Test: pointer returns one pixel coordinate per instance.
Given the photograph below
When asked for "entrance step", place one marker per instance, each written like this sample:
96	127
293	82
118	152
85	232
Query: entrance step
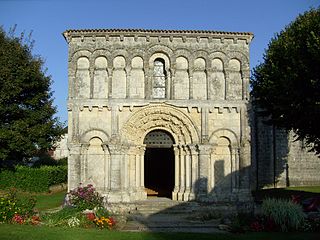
151	192
170	223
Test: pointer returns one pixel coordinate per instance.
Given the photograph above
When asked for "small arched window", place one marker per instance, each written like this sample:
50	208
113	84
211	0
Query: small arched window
159	79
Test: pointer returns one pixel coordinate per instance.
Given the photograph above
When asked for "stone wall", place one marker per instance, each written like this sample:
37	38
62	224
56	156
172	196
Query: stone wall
279	160
124	84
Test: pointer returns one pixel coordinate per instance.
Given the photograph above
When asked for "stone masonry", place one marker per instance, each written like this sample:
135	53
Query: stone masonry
132	91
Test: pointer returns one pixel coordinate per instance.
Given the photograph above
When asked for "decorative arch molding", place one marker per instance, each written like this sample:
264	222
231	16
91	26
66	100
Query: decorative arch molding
80	53
159	49
181	52
220	55
101	53
241	57
92	133
201	54
227	133
160	116
136	53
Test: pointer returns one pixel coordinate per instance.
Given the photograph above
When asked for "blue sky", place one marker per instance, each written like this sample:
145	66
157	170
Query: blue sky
49	18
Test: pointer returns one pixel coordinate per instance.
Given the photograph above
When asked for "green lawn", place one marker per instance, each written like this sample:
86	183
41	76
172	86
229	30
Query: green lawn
312	189
25	232
286	193
48	201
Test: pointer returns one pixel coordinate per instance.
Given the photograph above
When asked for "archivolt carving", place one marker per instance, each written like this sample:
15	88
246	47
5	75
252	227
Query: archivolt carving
241	57
163	117
80	53
92	133
101	52
227	133
221	55
159	49
201	54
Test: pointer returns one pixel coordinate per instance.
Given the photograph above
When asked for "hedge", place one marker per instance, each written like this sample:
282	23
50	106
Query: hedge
33	179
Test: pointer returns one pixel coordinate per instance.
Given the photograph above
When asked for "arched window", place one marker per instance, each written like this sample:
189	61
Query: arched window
159	79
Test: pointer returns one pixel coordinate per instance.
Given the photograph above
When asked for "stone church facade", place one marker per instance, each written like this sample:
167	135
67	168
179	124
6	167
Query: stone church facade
156	112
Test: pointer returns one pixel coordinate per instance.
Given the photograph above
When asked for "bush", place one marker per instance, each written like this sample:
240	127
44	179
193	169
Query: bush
85	198
33	179
17	210
285	214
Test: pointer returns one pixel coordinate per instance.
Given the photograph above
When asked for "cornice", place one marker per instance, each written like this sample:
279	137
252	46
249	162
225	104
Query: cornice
68	34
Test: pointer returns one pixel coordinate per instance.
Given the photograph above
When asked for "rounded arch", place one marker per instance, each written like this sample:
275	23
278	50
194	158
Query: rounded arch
101	53
224	133
94	133
83	63
201	54
181	52
241	57
182	63
160	55
80	53
218	55
101	62
160	117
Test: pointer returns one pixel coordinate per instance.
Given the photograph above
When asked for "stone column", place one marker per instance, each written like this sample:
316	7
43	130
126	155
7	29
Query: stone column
182	161
204	156
140	158
128	83
187	173
84	162
74	165
117	178
106	168
176	173
190	83
235	167
132	172
194	170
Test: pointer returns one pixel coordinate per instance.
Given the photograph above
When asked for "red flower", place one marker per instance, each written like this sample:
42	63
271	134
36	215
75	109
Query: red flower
90	216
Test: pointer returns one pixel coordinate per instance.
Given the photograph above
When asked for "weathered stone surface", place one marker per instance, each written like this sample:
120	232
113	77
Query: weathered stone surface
193	85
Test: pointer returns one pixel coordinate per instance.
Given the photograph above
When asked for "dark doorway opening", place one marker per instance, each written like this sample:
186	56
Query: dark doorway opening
159	171
159	164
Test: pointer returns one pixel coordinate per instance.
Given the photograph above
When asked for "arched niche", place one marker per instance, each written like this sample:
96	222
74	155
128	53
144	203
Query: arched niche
83	77
137	78
100	79
181	79
119	78
199	80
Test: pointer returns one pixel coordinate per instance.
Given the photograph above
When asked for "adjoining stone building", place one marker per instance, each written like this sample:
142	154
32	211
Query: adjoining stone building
159	112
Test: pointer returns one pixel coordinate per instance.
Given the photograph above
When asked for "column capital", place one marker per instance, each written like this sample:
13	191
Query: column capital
117	149
205	149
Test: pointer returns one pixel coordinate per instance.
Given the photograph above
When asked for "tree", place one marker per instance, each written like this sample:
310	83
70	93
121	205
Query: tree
287	83
27	122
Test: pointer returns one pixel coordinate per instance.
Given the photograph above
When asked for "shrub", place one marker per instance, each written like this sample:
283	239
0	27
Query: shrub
285	214
17	210
85	198
33	179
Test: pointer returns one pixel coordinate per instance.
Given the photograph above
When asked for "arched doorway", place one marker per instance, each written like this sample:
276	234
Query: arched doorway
159	164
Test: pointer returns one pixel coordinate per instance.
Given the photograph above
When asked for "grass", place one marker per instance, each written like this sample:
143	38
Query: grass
286	193
44	200
48	201
311	189
25	232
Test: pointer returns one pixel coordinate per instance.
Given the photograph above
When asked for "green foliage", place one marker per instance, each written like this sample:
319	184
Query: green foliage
44	159
85	198
285	214
11	205
27	124
33	179
60	218
287	83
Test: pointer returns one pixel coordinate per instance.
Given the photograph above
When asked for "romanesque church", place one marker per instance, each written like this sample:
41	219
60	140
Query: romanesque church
167	113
